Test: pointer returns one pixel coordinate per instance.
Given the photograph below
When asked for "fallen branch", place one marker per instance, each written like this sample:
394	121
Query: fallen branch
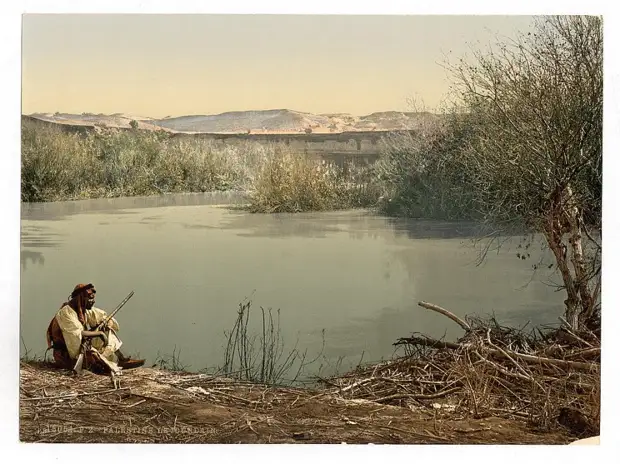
555	362
74	395
430	342
514	413
234	397
158	398
497	348
357	384
568	330
446	313
432	396
584	353
511	374
490	367
135	404
412	432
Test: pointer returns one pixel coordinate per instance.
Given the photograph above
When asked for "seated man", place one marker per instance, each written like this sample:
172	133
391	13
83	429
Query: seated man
74	323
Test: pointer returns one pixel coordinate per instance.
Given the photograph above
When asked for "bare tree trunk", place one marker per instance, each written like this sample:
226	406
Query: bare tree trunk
554	231
587	297
565	217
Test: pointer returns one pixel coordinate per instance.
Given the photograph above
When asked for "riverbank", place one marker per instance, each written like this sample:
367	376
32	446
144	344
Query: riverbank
159	406
494	385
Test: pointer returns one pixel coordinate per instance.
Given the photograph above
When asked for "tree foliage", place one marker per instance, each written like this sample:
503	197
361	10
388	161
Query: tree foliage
420	172
521	150
535	106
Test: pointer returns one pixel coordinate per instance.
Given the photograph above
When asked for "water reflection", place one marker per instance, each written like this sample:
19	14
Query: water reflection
39	242
281	225
54	211
192	226
424	229
357	224
33	236
373	338
191	264
531	316
504	286
35	257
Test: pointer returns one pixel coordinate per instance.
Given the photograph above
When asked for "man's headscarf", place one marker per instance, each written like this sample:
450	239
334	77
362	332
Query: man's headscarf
79	288
77	291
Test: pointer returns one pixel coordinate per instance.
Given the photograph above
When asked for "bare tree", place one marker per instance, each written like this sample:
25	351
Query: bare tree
535	105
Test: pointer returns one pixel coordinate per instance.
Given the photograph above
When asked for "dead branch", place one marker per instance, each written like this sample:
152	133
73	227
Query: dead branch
567	328
555	362
135	404
497	348
74	395
585	353
432	396
412	432
446	313
427	341
357	384
507	373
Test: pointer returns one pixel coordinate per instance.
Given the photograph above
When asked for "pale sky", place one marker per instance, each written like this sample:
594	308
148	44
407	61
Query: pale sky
170	65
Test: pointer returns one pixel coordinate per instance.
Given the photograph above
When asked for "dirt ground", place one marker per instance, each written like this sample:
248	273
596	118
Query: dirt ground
156	406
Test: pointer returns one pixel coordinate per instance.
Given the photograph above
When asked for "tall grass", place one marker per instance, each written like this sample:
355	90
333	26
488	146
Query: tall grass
292	183
171	362
261	357
58	165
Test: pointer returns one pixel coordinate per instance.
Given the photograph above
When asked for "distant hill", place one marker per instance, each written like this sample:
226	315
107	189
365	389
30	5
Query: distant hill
262	121
117	120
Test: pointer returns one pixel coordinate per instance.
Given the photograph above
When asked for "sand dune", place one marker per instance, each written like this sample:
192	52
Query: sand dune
261	121
117	120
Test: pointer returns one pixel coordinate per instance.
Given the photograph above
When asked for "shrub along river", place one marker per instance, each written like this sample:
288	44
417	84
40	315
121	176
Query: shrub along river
346	282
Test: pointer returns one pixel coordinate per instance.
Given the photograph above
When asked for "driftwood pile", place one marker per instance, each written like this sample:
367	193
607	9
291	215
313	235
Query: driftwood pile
548	377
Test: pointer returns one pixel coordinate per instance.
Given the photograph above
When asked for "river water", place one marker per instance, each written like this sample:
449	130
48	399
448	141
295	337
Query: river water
346	283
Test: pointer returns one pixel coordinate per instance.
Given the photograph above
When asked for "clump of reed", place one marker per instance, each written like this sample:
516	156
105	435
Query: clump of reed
171	362
291	183
262	356
60	165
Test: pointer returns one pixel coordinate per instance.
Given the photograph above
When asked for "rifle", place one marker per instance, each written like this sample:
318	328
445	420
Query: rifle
80	360
104	323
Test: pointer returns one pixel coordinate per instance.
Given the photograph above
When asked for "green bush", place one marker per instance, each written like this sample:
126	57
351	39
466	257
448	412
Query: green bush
421	173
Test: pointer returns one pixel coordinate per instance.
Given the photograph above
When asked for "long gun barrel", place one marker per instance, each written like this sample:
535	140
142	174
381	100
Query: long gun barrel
80	360
104	323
